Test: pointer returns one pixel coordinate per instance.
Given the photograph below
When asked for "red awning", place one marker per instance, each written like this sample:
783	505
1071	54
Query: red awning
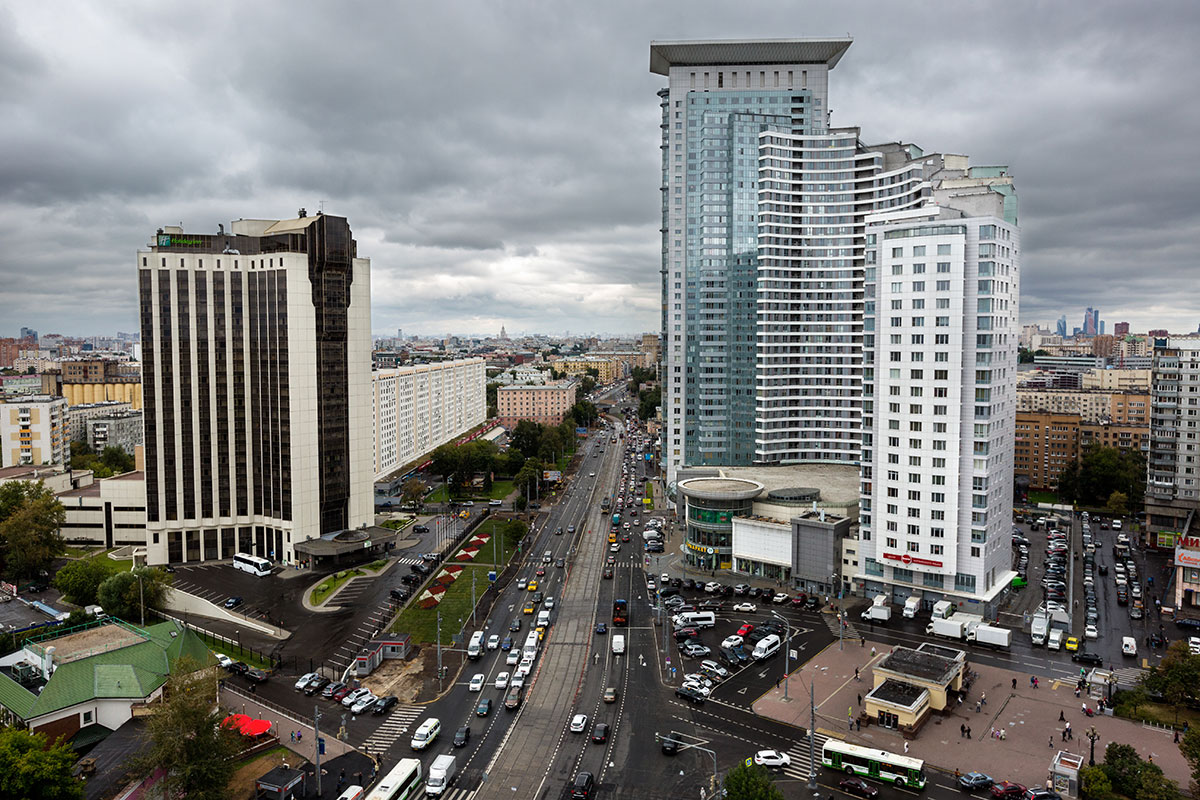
256	727
235	721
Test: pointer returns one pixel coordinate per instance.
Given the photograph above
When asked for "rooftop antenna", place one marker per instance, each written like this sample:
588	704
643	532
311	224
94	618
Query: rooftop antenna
320	206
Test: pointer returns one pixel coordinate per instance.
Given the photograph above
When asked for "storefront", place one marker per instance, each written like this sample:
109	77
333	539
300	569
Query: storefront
710	507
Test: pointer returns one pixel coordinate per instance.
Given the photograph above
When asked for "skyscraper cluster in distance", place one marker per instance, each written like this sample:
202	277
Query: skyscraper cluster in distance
829	301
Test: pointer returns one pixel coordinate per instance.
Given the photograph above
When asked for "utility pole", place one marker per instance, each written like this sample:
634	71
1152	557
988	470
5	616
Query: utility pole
317	743
473	574
841	622
812	738
439	650
142	600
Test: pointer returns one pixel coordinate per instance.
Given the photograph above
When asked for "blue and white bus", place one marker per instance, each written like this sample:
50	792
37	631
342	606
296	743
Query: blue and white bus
255	565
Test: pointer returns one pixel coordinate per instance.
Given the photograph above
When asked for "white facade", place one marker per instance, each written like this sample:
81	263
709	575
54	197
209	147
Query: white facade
418	408
258	425
938	459
765	540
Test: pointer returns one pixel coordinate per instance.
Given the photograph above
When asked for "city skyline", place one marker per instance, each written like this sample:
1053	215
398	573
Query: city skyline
526	195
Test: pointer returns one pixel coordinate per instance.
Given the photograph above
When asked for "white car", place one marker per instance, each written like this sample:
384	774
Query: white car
1128	646
712	586
363	703
578	723
1194	645
223	660
522	583
304	680
353	697
699	688
493	642
495	502
502	680
1091	632
731	641
772	758
476	683
665	578
615	547
517	680
650	584
548	604
513	658
697	678
745	607
715	668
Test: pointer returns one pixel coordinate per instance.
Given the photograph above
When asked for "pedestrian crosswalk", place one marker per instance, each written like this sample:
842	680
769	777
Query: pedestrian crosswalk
409	561
1128	676
460	794
395	726
800	766
831	621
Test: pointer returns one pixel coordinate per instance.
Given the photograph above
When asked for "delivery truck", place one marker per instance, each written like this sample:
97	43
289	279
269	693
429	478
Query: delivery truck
878	611
910	607
990	636
948	628
441	773
942	609
1038	630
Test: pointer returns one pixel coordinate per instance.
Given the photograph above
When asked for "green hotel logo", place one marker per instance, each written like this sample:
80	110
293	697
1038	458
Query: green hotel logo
167	240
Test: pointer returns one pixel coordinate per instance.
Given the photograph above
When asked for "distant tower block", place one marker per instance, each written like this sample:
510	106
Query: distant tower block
503	333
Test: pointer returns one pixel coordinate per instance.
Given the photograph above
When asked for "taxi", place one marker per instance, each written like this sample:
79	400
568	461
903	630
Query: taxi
1072	643
532	586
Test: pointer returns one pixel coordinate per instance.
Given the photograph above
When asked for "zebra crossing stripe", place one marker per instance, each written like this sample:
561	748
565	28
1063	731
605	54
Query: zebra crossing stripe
800	766
393	728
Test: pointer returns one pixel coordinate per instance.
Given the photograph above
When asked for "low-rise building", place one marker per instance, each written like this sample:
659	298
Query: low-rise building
80	415
910	685
606	370
34	430
546	405
1091	405
122	429
110	512
88	680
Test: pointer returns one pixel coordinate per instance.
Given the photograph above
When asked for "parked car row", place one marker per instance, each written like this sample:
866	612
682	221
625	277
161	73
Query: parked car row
358	700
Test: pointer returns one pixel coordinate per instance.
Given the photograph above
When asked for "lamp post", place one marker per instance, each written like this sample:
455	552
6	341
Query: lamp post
837	587
1092	735
786	652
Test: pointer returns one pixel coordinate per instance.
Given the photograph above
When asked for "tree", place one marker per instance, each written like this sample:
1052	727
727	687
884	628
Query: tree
491	392
511	462
187	741
527	437
529	475
1104	470
80	580
1189	745
1176	677
648	401
15	494
588	384
33	768
1123	766
122	596
1154	785
750	782
29	534
1118	504
446	462
519	503
514	531
1094	784
413	491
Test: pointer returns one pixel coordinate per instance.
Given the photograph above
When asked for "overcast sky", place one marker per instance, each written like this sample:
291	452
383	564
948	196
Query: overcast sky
499	161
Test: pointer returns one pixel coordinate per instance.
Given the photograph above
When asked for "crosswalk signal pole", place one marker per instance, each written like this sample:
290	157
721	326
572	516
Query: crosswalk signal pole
812	738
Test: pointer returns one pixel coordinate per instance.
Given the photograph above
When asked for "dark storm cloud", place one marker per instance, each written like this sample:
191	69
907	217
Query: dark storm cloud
500	165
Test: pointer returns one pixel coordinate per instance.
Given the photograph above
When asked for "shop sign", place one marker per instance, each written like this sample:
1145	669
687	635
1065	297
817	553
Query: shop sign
1187	558
907	559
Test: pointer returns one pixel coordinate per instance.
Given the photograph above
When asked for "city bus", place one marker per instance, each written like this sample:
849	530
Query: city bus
255	565
402	783
620	613
867	762
605	504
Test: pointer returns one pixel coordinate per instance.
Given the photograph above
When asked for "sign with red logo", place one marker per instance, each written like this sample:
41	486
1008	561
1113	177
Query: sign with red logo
907	559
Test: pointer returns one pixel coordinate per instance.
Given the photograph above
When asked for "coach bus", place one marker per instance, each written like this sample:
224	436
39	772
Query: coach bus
255	565
402	783
867	762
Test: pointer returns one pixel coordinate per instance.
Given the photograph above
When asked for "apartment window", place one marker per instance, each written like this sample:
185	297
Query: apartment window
943	250
897	252
919	250
918	269
943	266
891	542
914	547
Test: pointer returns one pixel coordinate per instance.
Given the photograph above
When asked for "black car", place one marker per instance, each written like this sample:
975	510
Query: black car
462	736
384	703
256	675
421	569
1104	569
974	780
671	742
812	603
316	684
600	732
411	580
1084	657
238	667
400	594
691	695
560	563
689	584
858	786
233	602
515	625
686	634
420	529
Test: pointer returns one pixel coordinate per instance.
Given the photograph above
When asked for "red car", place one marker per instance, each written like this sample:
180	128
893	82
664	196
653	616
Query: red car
858	786
541	572
745	630
340	693
1007	790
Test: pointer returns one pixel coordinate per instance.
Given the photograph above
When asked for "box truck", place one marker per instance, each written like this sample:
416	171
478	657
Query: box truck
942	609
878	611
990	636
441	773
1038	630
948	628
910	607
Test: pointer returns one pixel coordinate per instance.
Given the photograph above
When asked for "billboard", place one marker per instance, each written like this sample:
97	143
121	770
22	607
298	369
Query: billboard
551	475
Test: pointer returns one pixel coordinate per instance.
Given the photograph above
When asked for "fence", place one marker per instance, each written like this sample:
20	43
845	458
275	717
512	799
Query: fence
217	640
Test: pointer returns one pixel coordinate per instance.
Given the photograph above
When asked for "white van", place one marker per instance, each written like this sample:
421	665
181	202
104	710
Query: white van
1055	641
475	648
766	647
424	735
531	645
547	557
695	619
1128	645
543	618
618	644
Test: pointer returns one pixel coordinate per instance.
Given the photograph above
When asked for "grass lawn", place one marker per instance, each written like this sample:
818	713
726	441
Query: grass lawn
112	565
1165	715
398	524
421	623
499	491
241	785
1043	497
331	584
73	551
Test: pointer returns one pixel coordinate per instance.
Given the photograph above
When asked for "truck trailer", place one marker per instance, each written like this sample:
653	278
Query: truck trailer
990	636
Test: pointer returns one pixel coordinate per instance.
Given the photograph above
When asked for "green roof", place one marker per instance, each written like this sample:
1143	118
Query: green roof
132	672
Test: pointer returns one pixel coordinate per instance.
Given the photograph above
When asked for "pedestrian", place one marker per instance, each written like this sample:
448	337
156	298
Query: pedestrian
299	735
1176	737
862	642
983	698
858	726
1064	734
1014	684
1035	683
1061	716
293	736
1051	742
906	747
978	706
962	730
968	731
1032	681
872	651
860	699
856	674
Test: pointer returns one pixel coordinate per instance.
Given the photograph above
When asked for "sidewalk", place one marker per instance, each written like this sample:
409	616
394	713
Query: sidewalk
284	722
1029	717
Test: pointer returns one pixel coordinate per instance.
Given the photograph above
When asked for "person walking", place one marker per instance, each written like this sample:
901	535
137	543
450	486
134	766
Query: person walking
962	730
856	674
968	731
1051	744
906	747
1014	684
978	706
983	698
860	699
1061	716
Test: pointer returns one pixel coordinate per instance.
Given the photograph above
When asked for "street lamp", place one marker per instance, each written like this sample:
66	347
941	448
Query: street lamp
1093	736
786	651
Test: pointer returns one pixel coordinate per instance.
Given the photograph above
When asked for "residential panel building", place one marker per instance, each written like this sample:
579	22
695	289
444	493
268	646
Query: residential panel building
257	388
34	430
417	408
1172	482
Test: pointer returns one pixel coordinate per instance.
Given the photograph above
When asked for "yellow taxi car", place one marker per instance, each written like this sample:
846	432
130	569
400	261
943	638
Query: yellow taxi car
532	586
612	537
528	608
1072	643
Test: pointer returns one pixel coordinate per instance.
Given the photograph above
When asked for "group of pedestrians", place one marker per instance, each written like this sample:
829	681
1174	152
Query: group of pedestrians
964	730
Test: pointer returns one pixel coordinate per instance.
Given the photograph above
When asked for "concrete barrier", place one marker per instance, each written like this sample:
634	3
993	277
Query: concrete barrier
176	600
